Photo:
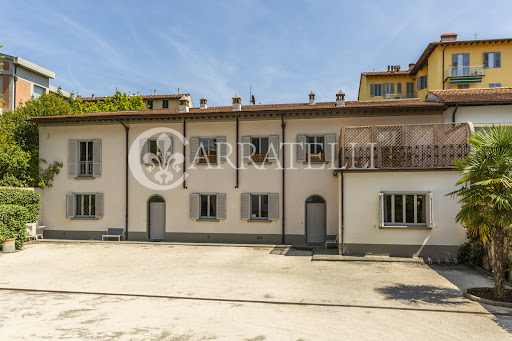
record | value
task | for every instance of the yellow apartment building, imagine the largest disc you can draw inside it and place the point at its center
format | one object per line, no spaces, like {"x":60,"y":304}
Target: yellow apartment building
{"x":445,"y":64}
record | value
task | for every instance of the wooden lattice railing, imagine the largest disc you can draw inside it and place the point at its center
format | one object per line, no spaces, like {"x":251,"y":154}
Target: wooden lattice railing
{"x":404,"y":146}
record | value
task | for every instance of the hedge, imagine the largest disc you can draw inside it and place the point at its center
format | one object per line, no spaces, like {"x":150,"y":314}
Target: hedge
{"x":15,"y":219}
{"x":21,"y":197}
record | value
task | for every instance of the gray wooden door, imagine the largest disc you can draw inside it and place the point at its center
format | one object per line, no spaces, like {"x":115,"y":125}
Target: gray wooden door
{"x":156,"y":220}
{"x":315,"y":223}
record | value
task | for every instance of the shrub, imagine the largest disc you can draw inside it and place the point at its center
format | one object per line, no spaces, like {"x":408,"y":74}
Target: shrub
{"x":14,"y":218}
{"x":471,"y":253}
{"x":21,"y":197}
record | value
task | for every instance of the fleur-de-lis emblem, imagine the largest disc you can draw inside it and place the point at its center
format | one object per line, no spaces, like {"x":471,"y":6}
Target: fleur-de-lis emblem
{"x":163,"y":160}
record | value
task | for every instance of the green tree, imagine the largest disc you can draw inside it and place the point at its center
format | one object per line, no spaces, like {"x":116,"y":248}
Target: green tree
{"x":118,"y":102}
{"x":486,"y":195}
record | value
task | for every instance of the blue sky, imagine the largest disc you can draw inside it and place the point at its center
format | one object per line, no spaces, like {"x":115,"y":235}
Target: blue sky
{"x":284,"y":49}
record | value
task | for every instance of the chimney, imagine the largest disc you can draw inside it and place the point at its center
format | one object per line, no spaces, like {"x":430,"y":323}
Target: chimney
{"x":389,"y":68}
{"x":449,"y":37}
{"x":311,"y":98}
{"x":237,"y":103}
{"x":411,"y":65}
{"x":340,"y":99}
{"x":92,"y":95}
{"x":202,"y":102}
{"x":183,"y":104}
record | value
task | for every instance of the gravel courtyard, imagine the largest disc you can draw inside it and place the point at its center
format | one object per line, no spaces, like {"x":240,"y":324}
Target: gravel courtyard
{"x":214,"y":289}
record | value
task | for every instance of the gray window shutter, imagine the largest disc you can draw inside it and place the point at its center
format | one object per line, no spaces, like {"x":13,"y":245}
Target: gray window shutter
{"x":455,"y":60}
{"x":398,"y":88}
{"x":73,"y":158}
{"x":70,"y":205}
{"x":245,"y":206}
{"x":273,"y":148}
{"x":429,"y":211}
{"x":381,"y":209}
{"x":426,"y":81}
{"x":143,"y":147}
{"x":486,"y":59}
{"x":194,"y":147}
{"x":96,"y":156}
{"x":194,"y":205}
{"x":246,"y":149}
{"x":465,"y":59}
{"x":497,"y":59}
{"x":221,"y":206}
{"x":99,"y":205}
{"x":165,"y":145}
{"x":372,"y":90}
{"x":273,"y":206}
{"x":418,"y":81}
{"x":330,"y":147}
{"x":222,"y":150}
{"x":392,"y":88}
{"x":301,"y":148}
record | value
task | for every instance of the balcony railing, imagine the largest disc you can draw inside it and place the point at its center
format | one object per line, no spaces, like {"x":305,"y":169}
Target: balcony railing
{"x":208,"y":158}
{"x":404,"y":146}
{"x":463,"y":71}
{"x":85,"y":167}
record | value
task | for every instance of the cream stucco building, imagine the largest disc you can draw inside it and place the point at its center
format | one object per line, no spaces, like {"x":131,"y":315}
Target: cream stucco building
{"x":303,"y":196}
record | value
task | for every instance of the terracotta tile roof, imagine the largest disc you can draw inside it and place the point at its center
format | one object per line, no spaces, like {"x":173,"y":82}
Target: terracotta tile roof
{"x":172,"y":96}
{"x":477,"y":95}
{"x":385,"y":73}
{"x":303,"y":107}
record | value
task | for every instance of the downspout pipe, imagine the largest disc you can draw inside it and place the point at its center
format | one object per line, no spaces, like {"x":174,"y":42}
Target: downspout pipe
{"x":443,"y":66}
{"x":126,"y":129}
{"x":283,"y":219}
{"x":184,"y":151}
{"x":342,"y":215}
{"x":14,"y":78}
{"x":454,"y":112}
{"x":237,"y":153}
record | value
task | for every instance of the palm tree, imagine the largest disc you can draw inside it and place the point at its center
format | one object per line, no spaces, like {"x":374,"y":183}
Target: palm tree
{"x":486,"y":195}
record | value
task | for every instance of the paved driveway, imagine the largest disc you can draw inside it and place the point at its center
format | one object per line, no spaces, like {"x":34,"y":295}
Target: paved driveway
{"x":214,"y":292}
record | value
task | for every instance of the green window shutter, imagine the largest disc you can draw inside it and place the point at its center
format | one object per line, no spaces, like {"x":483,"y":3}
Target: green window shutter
{"x":301,"y":148}
{"x":99,"y":205}
{"x":221,"y":206}
{"x":245,"y":204}
{"x":274,"y":148}
{"x":194,"y":149}
{"x":73,"y":158}
{"x":70,"y":205}
{"x":222,"y":150}
{"x":273,"y":206}
{"x":96,"y":156}
{"x":194,"y":205}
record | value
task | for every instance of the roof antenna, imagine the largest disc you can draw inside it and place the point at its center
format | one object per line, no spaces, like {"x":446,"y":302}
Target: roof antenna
{"x":476,"y":36}
{"x":178,"y":91}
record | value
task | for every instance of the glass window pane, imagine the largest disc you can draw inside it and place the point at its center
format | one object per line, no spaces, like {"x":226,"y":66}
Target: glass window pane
{"x":264,"y":145}
{"x":93,"y":205}
{"x":255,"y":206}
{"x":89,"y":151}
{"x":399,"y":209}
{"x":86,"y":204}
{"x":213,"y":206}
{"x":204,"y":205}
{"x":83,"y":151}
{"x":153,"y":147}
{"x":256,"y":143}
{"x":310,"y":143}
{"x":320,"y":144}
{"x":78,"y":205}
{"x":213,"y":147}
{"x":387,"y":208}
{"x":409,"y":209}
{"x":420,"y":209}
{"x":264,"y":206}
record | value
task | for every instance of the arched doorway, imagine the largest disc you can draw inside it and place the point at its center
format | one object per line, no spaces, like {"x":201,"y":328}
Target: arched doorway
{"x":156,"y":218}
{"x":315,"y":219}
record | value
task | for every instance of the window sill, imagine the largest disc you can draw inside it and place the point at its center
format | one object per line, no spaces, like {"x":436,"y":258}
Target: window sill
{"x":405,"y":227}
{"x":84,"y":218}
{"x":208,"y":219}
{"x":85,"y":177}
{"x":259,"y":220}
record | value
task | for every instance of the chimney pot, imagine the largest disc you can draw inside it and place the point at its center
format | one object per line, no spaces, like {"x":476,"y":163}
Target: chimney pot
{"x":237,"y":103}
{"x":203,"y":104}
{"x":340,"y":99}
{"x":311,"y":98}
{"x":184,"y":104}
{"x":411,"y":65}
{"x":449,"y":37}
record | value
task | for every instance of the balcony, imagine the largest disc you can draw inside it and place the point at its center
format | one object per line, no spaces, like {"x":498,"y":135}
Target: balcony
{"x":85,"y":168}
{"x":465,"y":74}
{"x":417,"y":146}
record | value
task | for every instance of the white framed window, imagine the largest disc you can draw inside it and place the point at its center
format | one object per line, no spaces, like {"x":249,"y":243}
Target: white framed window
{"x":37,"y":91}
{"x":260,"y":206}
{"x":84,"y":205}
{"x":208,"y":149}
{"x":492,"y":60}
{"x":494,"y":85}
{"x":84,"y":158}
{"x":316,"y":148}
{"x":376,"y":90}
{"x":405,"y":209}
{"x":208,"y":206}
{"x":260,"y":148}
